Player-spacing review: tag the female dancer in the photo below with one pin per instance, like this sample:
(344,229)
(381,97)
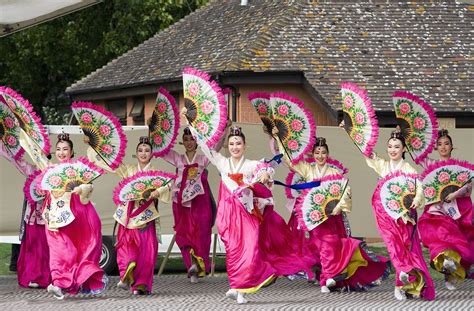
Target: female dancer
(404,248)
(33,262)
(73,234)
(137,244)
(193,207)
(238,222)
(344,260)
(449,237)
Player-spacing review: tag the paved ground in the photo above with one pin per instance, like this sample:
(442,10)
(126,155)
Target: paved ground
(174,292)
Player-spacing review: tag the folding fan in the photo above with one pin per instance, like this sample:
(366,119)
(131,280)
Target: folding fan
(104,131)
(140,186)
(205,104)
(359,117)
(418,123)
(164,123)
(444,177)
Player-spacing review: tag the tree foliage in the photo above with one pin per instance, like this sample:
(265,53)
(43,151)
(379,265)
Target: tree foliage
(40,62)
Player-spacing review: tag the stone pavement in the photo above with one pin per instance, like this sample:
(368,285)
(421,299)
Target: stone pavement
(174,292)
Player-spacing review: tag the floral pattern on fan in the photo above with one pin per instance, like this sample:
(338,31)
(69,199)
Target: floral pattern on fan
(68,175)
(140,186)
(32,193)
(296,125)
(104,131)
(164,123)
(318,203)
(444,177)
(359,117)
(205,104)
(261,103)
(27,118)
(396,192)
(418,123)
(10,131)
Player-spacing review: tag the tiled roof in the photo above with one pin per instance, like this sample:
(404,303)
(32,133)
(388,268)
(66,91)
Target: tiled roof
(421,46)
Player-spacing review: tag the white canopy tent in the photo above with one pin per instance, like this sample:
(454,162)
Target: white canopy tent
(16,15)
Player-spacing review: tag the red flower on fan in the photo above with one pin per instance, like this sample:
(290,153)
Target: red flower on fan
(359,118)
(11,140)
(348,101)
(87,175)
(161,107)
(193,89)
(130,196)
(283,110)
(105,130)
(26,117)
(429,192)
(359,138)
(207,106)
(444,177)
(107,149)
(334,189)
(416,143)
(70,172)
(9,122)
(262,109)
(55,181)
(202,127)
(139,186)
(165,124)
(393,205)
(462,177)
(419,123)
(157,140)
(293,145)
(395,189)
(315,216)
(11,104)
(34,135)
(318,198)
(296,125)
(157,183)
(86,117)
(404,108)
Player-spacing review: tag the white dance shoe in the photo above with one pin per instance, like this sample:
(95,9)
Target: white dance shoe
(400,294)
(56,291)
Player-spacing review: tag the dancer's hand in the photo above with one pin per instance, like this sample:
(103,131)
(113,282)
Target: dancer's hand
(449,197)
(77,190)
(155,194)
(415,204)
(275,131)
(342,124)
(183,112)
(86,139)
(336,211)
(264,178)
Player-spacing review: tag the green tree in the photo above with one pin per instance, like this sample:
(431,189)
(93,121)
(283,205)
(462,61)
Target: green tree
(40,62)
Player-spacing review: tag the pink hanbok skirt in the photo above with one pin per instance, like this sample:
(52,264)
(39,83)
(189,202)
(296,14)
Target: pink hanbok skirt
(33,262)
(139,246)
(74,251)
(239,230)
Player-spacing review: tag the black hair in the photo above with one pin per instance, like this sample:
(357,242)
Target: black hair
(144,140)
(236,131)
(320,142)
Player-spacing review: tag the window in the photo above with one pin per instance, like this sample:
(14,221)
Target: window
(119,108)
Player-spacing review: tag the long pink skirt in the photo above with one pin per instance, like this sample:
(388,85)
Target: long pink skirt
(239,231)
(307,248)
(33,262)
(193,227)
(397,237)
(440,232)
(336,251)
(74,251)
(139,246)
(278,247)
